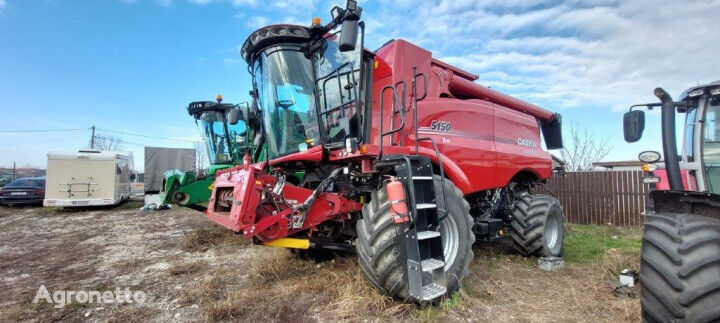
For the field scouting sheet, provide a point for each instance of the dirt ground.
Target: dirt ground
(191, 270)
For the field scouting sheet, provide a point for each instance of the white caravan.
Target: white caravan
(88, 177)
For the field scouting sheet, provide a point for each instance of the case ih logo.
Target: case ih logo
(526, 142)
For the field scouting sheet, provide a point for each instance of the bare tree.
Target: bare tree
(108, 143)
(201, 158)
(583, 149)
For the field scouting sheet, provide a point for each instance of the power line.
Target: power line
(31, 142)
(43, 130)
(145, 136)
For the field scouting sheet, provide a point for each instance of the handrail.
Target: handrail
(402, 119)
(415, 101)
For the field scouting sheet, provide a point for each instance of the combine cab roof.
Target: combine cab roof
(271, 35)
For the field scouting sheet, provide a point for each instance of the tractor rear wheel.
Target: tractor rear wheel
(380, 242)
(680, 268)
(538, 225)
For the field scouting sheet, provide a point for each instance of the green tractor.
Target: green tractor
(229, 132)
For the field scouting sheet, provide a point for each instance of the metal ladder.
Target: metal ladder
(425, 260)
(423, 243)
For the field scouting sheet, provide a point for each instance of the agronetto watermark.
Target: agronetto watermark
(60, 298)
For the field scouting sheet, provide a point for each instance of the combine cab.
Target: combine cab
(406, 160)
(680, 270)
(228, 134)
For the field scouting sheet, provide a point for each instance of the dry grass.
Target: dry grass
(614, 261)
(185, 268)
(134, 313)
(502, 286)
(237, 281)
(282, 287)
(208, 237)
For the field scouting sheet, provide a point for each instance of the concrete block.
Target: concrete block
(551, 263)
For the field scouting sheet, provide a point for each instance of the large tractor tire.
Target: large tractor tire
(538, 225)
(380, 242)
(680, 268)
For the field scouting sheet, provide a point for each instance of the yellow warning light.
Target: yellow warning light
(501, 232)
(258, 182)
(376, 64)
(316, 21)
(649, 168)
(218, 97)
(363, 149)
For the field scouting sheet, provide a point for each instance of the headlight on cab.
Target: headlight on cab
(649, 156)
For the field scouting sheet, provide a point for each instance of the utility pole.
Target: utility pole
(92, 139)
(14, 170)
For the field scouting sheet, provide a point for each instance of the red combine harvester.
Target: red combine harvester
(680, 257)
(405, 159)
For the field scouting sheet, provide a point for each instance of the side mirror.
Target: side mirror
(348, 36)
(633, 125)
(349, 31)
(233, 116)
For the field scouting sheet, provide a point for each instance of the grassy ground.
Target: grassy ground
(192, 269)
(502, 286)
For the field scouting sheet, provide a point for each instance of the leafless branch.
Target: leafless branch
(108, 143)
(583, 149)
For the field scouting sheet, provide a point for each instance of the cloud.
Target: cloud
(239, 3)
(599, 53)
(3, 3)
(257, 21)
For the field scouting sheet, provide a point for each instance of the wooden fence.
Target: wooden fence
(606, 197)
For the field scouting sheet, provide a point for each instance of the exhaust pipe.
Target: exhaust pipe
(672, 162)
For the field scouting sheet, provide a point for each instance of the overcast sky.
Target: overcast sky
(133, 65)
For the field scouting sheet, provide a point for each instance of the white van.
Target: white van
(88, 177)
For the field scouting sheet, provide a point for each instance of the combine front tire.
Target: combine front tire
(680, 268)
(380, 242)
(538, 226)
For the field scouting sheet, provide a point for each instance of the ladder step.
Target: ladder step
(422, 235)
(432, 264)
(425, 178)
(432, 291)
(420, 206)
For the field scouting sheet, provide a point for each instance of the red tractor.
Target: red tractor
(680, 257)
(392, 153)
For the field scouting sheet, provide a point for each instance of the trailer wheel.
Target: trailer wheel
(380, 243)
(680, 268)
(538, 225)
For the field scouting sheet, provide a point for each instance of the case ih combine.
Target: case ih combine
(407, 160)
(680, 270)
